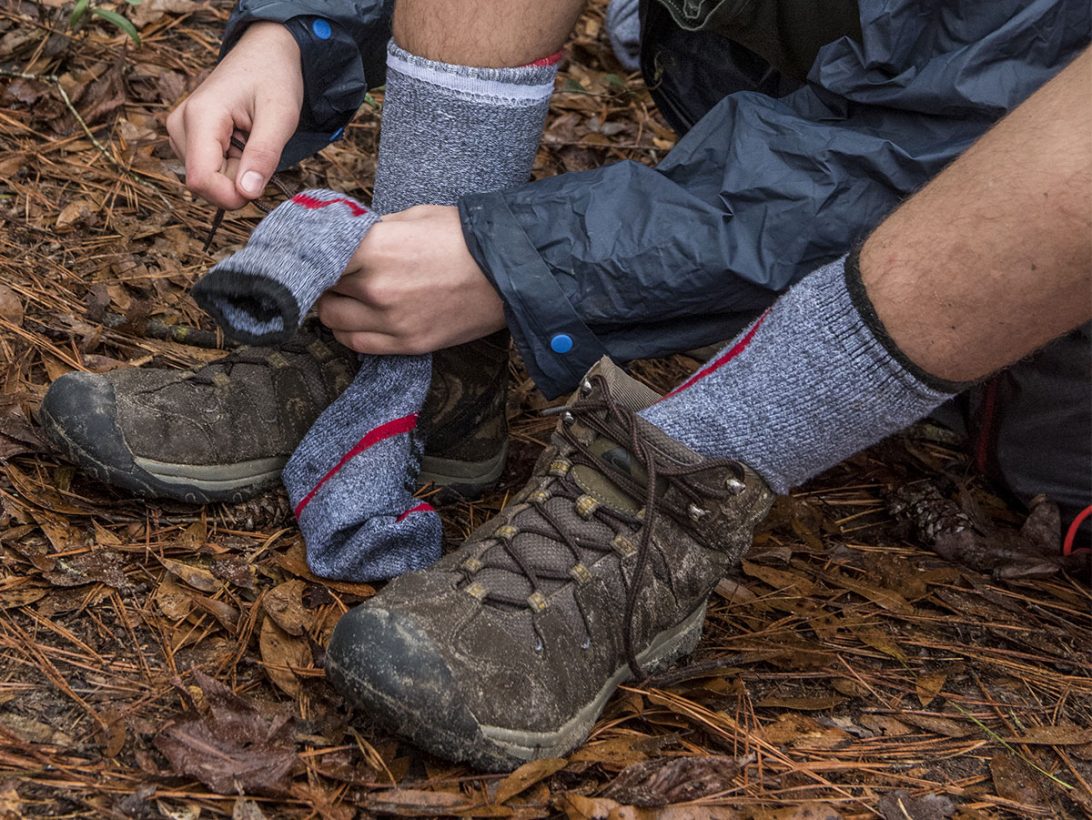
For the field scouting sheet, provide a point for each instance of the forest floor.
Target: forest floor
(846, 671)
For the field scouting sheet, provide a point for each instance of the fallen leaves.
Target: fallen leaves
(232, 747)
(673, 780)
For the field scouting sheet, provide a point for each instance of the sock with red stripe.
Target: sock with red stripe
(351, 479)
(262, 293)
(811, 382)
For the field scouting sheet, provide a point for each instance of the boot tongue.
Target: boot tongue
(633, 395)
(600, 487)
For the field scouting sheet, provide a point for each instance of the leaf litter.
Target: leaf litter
(899, 642)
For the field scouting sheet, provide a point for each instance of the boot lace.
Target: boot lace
(605, 417)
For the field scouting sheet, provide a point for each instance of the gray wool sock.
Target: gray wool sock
(350, 481)
(450, 130)
(447, 131)
(262, 293)
(813, 381)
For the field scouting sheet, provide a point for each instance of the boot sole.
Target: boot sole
(496, 748)
(463, 479)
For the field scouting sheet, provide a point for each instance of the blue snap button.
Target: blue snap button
(561, 343)
(321, 28)
(334, 137)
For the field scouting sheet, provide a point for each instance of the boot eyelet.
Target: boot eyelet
(696, 513)
(735, 485)
(585, 387)
(568, 419)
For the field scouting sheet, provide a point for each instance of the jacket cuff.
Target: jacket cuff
(556, 346)
(342, 49)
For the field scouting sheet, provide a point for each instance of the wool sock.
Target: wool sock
(447, 131)
(351, 479)
(623, 23)
(261, 294)
(814, 380)
(450, 130)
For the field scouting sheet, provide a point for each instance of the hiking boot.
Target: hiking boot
(465, 418)
(596, 573)
(225, 431)
(219, 433)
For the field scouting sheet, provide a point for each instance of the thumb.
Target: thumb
(273, 127)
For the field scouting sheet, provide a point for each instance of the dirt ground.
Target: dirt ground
(159, 660)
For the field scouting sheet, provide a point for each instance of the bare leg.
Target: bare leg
(993, 258)
(485, 33)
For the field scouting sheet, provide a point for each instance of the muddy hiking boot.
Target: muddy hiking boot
(465, 418)
(596, 573)
(224, 432)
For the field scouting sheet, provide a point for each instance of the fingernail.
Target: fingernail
(252, 183)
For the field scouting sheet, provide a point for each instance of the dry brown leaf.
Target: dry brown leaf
(197, 577)
(663, 781)
(938, 725)
(928, 687)
(1064, 734)
(233, 748)
(886, 598)
(782, 580)
(11, 305)
(880, 641)
(75, 211)
(1015, 780)
(13, 598)
(899, 805)
(100, 566)
(284, 604)
(526, 776)
(280, 653)
(417, 802)
(172, 600)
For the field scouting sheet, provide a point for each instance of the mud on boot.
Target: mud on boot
(596, 573)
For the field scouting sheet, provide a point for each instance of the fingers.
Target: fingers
(274, 125)
(375, 344)
(341, 313)
(202, 136)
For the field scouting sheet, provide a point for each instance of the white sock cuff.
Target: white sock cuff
(519, 86)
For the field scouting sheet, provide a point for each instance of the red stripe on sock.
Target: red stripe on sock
(312, 204)
(424, 506)
(553, 59)
(725, 357)
(371, 438)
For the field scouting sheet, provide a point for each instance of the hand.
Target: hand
(412, 287)
(258, 89)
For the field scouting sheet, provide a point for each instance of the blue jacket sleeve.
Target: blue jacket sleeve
(343, 51)
(637, 261)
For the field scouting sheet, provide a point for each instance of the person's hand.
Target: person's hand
(257, 89)
(412, 287)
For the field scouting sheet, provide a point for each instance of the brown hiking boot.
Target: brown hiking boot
(225, 431)
(597, 572)
(219, 433)
(465, 419)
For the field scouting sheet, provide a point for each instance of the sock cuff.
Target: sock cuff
(858, 294)
(517, 87)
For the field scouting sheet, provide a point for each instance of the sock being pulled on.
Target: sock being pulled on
(814, 380)
(351, 479)
(447, 130)
(261, 294)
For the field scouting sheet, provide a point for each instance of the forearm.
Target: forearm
(993, 258)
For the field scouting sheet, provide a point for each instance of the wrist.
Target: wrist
(273, 39)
